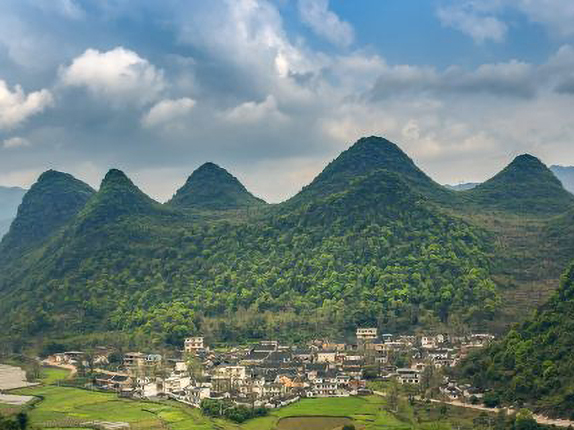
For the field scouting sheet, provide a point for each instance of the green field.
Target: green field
(312, 423)
(69, 407)
(50, 375)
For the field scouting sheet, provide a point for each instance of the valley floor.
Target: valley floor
(63, 407)
(58, 407)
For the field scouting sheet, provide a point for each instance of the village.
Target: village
(271, 375)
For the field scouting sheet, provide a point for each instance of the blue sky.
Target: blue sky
(274, 89)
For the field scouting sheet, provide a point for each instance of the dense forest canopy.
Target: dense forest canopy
(371, 241)
(213, 188)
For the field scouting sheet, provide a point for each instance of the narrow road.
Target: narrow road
(540, 419)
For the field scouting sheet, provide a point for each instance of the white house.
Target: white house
(366, 334)
(193, 344)
(408, 376)
(326, 356)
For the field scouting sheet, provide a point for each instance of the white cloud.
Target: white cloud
(508, 79)
(246, 40)
(16, 107)
(325, 23)
(466, 17)
(119, 75)
(482, 19)
(556, 15)
(252, 112)
(167, 111)
(15, 142)
(270, 106)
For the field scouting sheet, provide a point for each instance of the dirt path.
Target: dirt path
(540, 419)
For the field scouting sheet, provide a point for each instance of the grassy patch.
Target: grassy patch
(71, 405)
(60, 403)
(312, 423)
(332, 406)
(52, 374)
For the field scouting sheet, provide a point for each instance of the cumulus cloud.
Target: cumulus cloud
(483, 19)
(560, 68)
(477, 23)
(231, 83)
(556, 15)
(167, 111)
(119, 75)
(325, 23)
(15, 142)
(244, 46)
(16, 106)
(513, 78)
(252, 112)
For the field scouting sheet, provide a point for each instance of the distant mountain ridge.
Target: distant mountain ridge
(463, 187)
(10, 199)
(566, 175)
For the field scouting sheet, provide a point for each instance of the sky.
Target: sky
(272, 90)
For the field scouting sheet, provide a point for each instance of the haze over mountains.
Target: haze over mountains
(566, 176)
(462, 186)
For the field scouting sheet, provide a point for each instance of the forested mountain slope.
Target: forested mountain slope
(526, 187)
(371, 241)
(366, 155)
(533, 364)
(213, 188)
(370, 248)
(55, 199)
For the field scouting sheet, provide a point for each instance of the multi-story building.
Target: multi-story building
(409, 376)
(193, 344)
(366, 334)
(133, 359)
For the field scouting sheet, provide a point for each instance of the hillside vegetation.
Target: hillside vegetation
(533, 364)
(371, 241)
(525, 186)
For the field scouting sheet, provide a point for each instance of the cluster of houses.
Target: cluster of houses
(272, 375)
